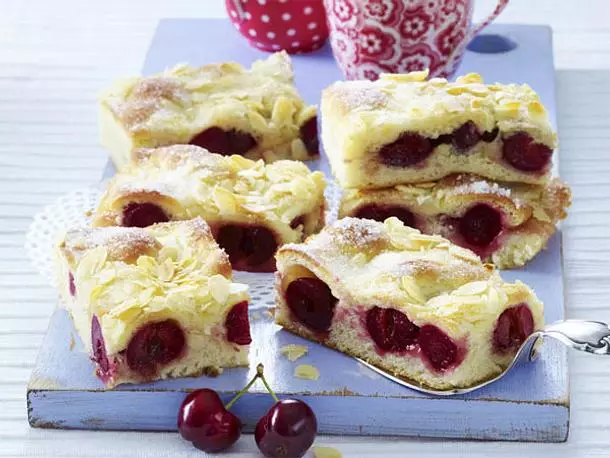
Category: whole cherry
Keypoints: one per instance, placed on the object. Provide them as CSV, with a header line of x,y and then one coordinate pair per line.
x,y
288,429
204,421
207,423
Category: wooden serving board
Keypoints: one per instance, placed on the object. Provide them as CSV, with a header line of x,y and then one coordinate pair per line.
x,y
530,404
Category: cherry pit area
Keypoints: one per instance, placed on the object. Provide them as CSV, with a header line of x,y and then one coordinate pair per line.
x,y
529,404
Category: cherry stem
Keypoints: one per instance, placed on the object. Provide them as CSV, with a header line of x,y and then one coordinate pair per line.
x,y
242,392
259,373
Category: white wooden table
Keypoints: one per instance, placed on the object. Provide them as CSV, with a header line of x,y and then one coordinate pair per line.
x,y
55,56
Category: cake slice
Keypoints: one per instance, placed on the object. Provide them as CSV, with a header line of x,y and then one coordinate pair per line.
x,y
403,129
223,107
251,207
154,303
412,304
504,223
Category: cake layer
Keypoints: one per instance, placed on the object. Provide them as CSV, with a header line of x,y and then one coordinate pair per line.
x,y
154,303
504,223
251,207
412,304
402,129
223,107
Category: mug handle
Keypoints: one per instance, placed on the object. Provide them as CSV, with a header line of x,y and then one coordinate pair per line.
x,y
477,28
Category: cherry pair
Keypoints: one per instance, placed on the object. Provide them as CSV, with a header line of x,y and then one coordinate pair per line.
x,y
287,429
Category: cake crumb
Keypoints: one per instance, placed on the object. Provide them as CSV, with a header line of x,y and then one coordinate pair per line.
x,y
293,351
72,342
307,372
326,452
270,313
255,316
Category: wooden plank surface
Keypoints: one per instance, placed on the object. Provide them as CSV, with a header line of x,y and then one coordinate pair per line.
x,y
55,55
531,404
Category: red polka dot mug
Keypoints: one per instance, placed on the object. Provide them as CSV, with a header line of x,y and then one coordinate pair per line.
x,y
296,26
369,37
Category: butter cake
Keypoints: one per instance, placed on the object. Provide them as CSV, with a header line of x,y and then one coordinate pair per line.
x,y
223,107
154,303
412,304
504,223
251,207
403,129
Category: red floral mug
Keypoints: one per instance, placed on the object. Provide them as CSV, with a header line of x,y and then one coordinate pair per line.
x,y
369,37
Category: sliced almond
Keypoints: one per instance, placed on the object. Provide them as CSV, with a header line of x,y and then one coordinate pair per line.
x,y
326,452
293,351
307,372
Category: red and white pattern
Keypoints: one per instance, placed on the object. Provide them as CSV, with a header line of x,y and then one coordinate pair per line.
x,y
370,37
296,26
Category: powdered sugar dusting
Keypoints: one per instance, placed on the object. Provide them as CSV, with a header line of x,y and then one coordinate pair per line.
x,y
358,232
481,187
359,94
122,242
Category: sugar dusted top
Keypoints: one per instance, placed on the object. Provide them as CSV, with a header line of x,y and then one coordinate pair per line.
x,y
126,275
392,265
184,100
208,184
437,106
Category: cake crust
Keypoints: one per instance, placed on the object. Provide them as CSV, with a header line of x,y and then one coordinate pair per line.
x,y
530,213
186,181
124,286
433,283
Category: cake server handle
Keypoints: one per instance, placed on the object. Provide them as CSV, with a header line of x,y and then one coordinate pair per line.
x,y
588,336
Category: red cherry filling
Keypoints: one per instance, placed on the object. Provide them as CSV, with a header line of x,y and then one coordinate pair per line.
x,y
312,302
512,328
490,136
383,212
309,135
238,325
143,214
437,347
99,349
408,150
390,329
520,151
71,285
224,142
154,345
247,246
465,137
298,221
480,225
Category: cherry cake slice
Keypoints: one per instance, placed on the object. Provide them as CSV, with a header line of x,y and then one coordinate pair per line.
x,y
252,207
154,303
504,223
412,304
404,129
226,108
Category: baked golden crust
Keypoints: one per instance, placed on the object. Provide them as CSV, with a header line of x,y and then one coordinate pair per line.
x,y
174,106
187,181
433,282
359,117
530,213
127,278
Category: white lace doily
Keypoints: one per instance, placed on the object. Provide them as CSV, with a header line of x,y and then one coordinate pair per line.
x,y
73,210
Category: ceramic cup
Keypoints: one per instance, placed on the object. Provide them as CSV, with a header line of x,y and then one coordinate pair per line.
x,y
296,26
369,37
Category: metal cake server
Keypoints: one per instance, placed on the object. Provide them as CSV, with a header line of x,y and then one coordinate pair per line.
x,y
588,336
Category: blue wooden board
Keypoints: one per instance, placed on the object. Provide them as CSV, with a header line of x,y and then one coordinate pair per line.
x,y
531,404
